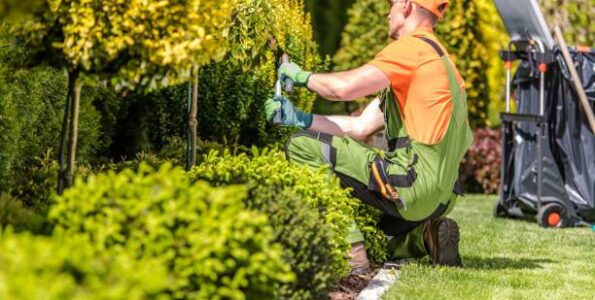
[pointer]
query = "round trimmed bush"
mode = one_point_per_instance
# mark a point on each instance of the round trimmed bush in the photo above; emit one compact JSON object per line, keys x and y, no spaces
{"x":213,"y":246}
{"x":67,"y":267}
{"x":336,"y":207}
{"x":305,"y":239}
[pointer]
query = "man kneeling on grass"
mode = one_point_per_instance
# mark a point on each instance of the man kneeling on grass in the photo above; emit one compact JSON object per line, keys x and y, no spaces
{"x":423,"y":110}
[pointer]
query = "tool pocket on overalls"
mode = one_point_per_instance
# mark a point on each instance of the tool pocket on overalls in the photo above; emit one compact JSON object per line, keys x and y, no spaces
{"x":386,"y":178}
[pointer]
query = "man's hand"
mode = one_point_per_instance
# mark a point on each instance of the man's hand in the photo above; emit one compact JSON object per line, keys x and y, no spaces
{"x":290,"y":116}
{"x":295,"y":73}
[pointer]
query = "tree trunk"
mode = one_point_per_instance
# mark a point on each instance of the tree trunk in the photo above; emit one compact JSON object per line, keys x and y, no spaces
{"x":192,"y":120}
{"x":72,"y":77}
{"x":187,"y":127}
{"x":74,"y":120}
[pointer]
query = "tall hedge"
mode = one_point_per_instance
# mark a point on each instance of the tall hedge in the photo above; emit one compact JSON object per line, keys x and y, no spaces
{"x":213,"y":247}
{"x":461,"y":31}
{"x":328,"y":18}
{"x":68,"y":267}
{"x":365,"y":34}
{"x":31,"y":108}
{"x":147,"y":122}
{"x":232,"y":92}
{"x":495,"y":37}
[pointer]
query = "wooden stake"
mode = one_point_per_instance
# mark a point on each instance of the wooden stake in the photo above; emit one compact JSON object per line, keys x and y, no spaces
{"x":74,"y":123}
{"x":192,"y":119}
{"x":72,"y":77}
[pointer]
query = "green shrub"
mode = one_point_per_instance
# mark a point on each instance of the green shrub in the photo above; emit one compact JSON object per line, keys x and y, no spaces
{"x":30,"y":111}
{"x":36,"y":185}
{"x":148,"y":122}
{"x":576,"y":19}
{"x":12,"y":213}
{"x":328,"y":17}
{"x":365,"y":34}
{"x":375,"y":240}
{"x":69,"y":268}
{"x":32,"y":104}
{"x":213,"y":246}
{"x":306,"y":240}
{"x":232,"y":92}
{"x":316,"y":187}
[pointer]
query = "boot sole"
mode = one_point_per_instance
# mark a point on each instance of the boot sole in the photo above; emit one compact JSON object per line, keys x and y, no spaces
{"x":448,"y":243}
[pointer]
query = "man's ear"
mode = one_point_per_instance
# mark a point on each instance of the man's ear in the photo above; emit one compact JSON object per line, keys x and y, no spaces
{"x":408,"y":8}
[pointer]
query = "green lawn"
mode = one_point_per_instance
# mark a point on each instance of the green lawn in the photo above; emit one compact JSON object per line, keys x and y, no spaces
{"x":505,"y":259}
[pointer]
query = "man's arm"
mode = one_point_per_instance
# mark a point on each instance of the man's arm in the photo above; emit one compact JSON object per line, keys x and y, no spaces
{"x":360,"y":128}
{"x":349,"y":85}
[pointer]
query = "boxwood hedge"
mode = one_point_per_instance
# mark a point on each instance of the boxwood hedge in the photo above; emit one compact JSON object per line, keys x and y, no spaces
{"x":213,"y":247}
{"x":319,"y":189}
{"x":67,"y":267}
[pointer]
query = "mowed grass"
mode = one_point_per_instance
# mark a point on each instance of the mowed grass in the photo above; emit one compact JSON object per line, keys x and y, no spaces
{"x":505,"y":259}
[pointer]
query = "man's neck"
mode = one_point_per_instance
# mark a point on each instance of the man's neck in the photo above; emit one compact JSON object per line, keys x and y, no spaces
{"x":411,"y":27}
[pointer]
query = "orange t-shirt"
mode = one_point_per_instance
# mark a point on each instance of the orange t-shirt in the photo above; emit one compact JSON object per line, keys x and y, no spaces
{"x":420,"y":83}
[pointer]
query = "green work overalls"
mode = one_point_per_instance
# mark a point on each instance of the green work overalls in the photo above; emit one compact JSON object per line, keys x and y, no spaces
{"x":418,"y":178}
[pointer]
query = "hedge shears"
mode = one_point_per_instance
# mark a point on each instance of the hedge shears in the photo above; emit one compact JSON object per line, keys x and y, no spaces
{"x":279,"y":87}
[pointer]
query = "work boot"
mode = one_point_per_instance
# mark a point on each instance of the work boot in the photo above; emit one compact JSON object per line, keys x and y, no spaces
{"x":441,"y":238}
{"x":358,"y":259}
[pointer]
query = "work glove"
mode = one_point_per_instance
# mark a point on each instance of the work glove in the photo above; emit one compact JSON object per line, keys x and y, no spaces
{"x":295,"y":73}
{"x":290,"y":116}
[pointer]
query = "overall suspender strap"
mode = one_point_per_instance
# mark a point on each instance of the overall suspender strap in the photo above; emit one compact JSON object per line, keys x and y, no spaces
{"x":433,"y":44}
{"x":458,"y":188}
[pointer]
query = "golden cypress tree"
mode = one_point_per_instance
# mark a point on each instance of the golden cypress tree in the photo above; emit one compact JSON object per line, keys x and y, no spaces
{"x":128,"y":44}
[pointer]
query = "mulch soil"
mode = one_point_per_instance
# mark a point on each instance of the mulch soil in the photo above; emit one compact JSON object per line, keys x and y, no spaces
{"x":351,"y":286}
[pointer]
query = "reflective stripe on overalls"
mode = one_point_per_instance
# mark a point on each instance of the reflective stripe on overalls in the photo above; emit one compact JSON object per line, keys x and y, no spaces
{"x":419,"y":178}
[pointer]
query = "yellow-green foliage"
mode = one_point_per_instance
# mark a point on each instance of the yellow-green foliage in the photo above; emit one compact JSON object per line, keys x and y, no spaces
{"x":213,"y":246}
{"x":271,"y":168}
{"x":68,"y":267}
{"x":365,"y":34}
{"x":173,"y":35}
{"x":460,"y":32}
{"x":233,"y":91}
{"x":31,"y":20}
{"x":132,"y":42}
{"x":338,"y":208}
{"x":575,"y":18}
{"x":469,"y":30}
{"x":495,"y":37}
